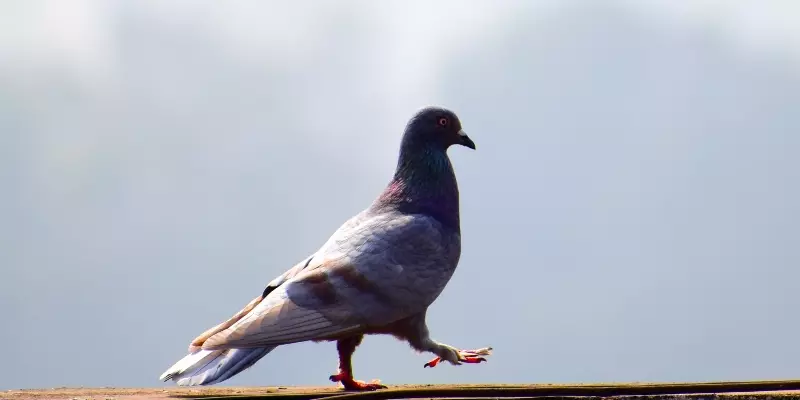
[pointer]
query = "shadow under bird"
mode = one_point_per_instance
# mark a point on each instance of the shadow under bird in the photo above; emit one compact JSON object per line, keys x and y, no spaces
{"x":377,"y":274}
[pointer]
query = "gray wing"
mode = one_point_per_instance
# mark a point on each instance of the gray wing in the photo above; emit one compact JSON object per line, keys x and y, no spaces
{"x":372,"y":271}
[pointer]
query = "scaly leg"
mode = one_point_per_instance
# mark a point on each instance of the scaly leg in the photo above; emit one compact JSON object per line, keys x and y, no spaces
{"x":346,"y":348}
{"x":416,"y":332}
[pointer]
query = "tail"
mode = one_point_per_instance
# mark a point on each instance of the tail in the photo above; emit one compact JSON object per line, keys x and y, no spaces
{"x":207,"y":367}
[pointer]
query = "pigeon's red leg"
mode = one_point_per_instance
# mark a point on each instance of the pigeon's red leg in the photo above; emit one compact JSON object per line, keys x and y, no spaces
{"x":465,"y":356}
{"x":346,"y":348}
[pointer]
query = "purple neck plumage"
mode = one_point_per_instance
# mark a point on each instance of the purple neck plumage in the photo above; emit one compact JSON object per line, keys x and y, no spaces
{"x":424,"y":182}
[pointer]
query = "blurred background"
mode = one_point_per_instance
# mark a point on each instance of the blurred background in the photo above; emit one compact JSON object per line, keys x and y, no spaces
{"x":631,"y":213}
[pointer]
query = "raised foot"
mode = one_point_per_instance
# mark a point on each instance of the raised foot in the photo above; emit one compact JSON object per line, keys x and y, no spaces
{"x":464,"y":356}
{"x":351,"y":384}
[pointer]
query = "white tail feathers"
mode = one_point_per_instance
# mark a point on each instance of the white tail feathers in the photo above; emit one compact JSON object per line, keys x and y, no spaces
{"x":206,"y":367}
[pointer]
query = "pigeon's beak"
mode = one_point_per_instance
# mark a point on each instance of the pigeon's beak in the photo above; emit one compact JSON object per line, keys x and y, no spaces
{"x":465,"y":140}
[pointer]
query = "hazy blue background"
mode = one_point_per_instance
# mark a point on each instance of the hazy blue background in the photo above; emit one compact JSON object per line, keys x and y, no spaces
{"x":631,"y":212}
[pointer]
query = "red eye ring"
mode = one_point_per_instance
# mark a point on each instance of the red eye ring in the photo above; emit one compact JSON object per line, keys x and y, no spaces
{"x":443,"y":121}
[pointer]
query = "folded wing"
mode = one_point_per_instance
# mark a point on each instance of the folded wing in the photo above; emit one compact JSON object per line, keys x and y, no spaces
{"x":369,"y":274}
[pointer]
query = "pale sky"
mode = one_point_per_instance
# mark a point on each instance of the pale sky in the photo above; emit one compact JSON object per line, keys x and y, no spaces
{"x":631,"y":213}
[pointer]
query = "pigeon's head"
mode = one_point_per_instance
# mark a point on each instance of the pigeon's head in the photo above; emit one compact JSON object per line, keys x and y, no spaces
{"x":437,"y":126}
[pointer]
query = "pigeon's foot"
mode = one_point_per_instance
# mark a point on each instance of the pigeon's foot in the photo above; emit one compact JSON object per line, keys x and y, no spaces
{"x":464,"y":356}
{"x":351,"y":384}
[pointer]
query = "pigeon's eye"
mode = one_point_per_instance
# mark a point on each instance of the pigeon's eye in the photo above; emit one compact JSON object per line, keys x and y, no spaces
{"x":443,"y":121}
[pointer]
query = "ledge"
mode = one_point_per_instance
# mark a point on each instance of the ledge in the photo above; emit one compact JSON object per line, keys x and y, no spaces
{"x":753,"y":390}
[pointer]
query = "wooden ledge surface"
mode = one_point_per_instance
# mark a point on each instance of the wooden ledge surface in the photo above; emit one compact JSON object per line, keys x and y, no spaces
{"x":750,"y":390}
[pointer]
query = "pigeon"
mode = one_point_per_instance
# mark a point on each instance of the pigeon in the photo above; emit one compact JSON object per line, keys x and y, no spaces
{"x":377,"y":274}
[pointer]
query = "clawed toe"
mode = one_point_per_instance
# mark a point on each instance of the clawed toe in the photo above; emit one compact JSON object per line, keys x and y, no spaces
{"x":361,"y":386}
{"x":432,"y":363}
{"x":351,"y":384}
